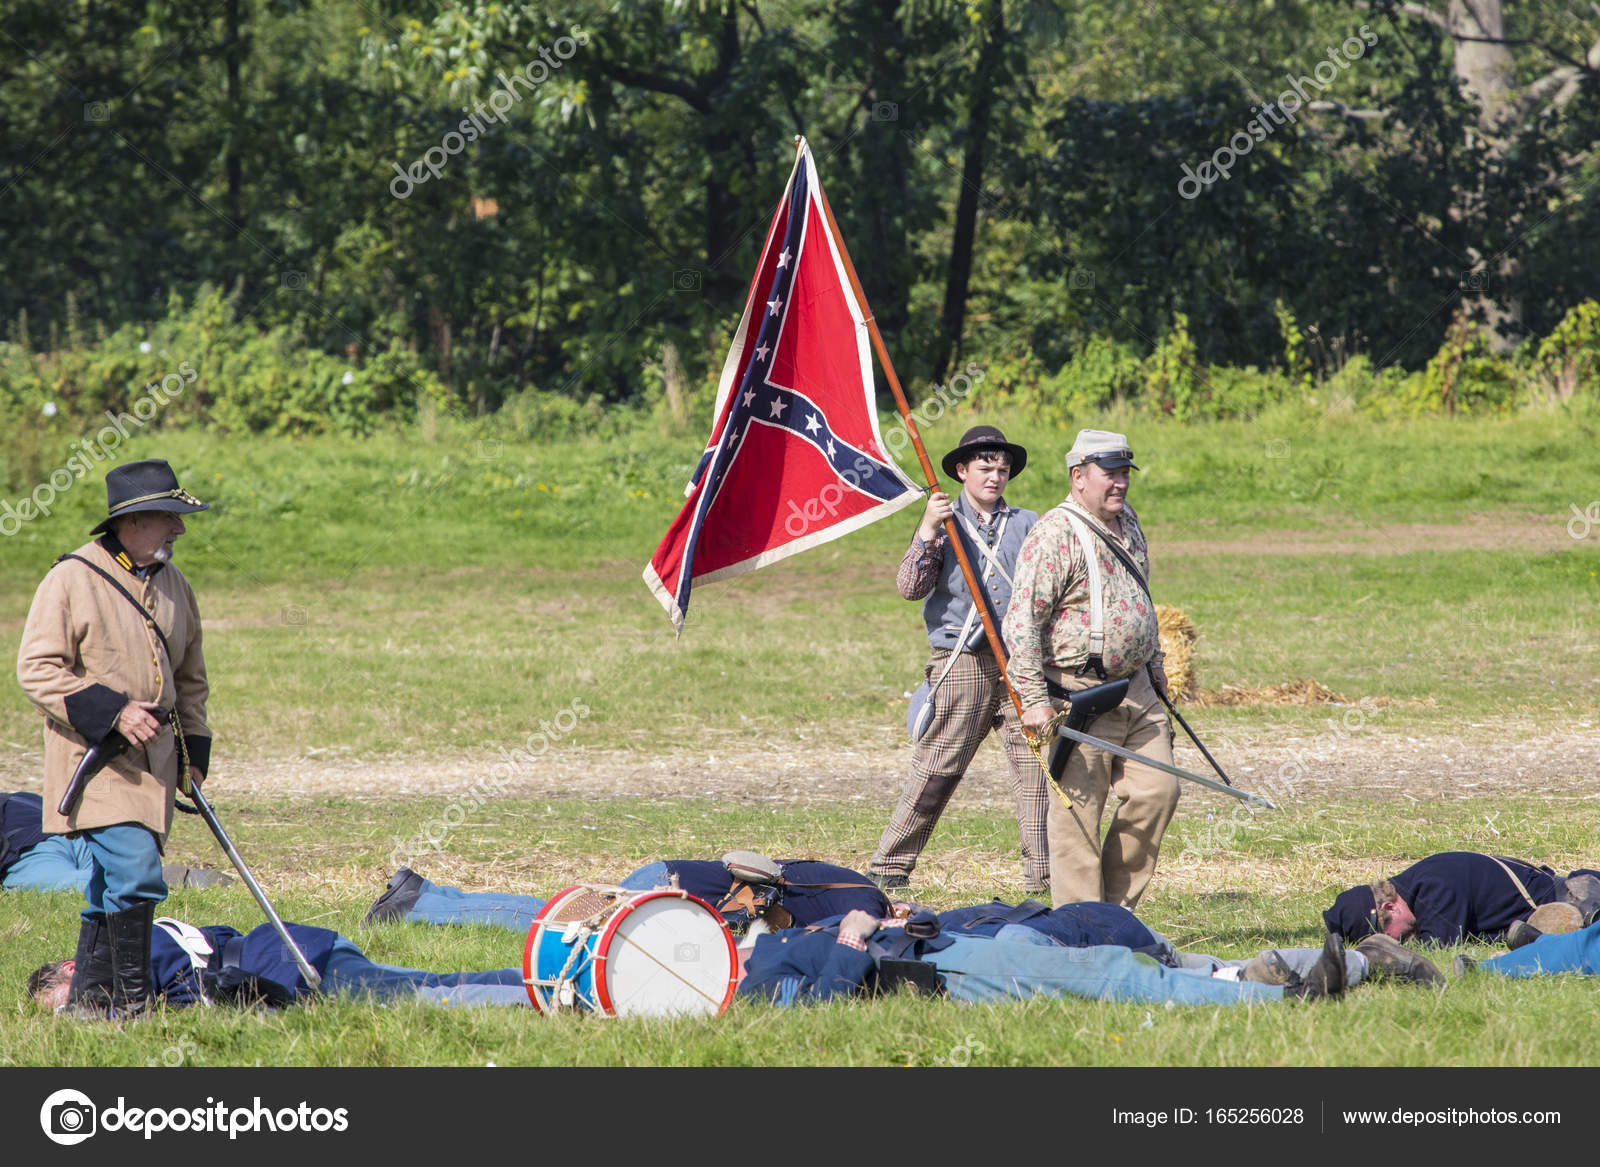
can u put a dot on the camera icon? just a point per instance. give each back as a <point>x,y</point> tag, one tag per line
<point>1474,281</point>
<point>69,1121</point>
<point>1278,448</point>
<point>686,279</point>
<point>685,953</point>
<point>72,1118</point>
<point>1081,279</point>
<point>885,111</point>
<point>291,280</point>
<point>487,449</point>
<point>96,111</point>
<point>292,616</point>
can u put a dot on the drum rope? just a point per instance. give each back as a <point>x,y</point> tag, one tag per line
<point>688,984</point>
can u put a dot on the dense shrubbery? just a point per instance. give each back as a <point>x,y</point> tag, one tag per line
<point>1464,377</point>
<point>201,365</point>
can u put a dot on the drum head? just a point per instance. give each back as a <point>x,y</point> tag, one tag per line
<point>666,954</point>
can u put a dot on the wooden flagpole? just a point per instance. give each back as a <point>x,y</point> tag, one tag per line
<point>980,598</point>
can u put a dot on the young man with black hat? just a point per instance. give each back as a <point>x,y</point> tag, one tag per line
<point>112,647</point>
<point>965,694</point>
<point>1080,617</point>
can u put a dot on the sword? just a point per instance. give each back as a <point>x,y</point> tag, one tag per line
<point>204,807</point>
<point>1243,796</point>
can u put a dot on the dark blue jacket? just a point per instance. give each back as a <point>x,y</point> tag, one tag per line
<point>263,956</point>
<point>1084,925</point>
<point>801,965</point>
<point>20,818</point>
<point>1455,895</point>
<point>709,879</point>
<point>798,965</point>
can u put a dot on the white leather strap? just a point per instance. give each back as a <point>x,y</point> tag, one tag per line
<point>187,937</point>
<point>1091,560</point>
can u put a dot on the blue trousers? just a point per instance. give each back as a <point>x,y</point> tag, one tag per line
<point>351,974</point>
<point>55,863</point>
<point>1022,962</point>
<point>126,868</point>
<point>450,905</point>
<point>1574,952</point>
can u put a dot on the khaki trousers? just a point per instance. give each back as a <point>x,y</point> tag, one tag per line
<point>1082,867</point>
<point>967,707</point>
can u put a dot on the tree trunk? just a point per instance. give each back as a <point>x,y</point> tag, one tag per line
<point>1485,73</point>
<point>981,107</point>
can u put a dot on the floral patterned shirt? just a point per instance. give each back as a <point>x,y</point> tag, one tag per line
<point>1047,624</point>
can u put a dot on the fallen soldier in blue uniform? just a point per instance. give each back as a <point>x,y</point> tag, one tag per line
<point>190,965</point>
<point>1457,896</point>
<point>741,887</point>
<point>1095,950</point>
<point>31,860</point>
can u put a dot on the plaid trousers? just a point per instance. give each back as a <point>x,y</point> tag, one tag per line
<point>969,703</point>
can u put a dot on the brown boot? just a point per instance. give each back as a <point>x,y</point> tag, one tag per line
<point>1388,957</point>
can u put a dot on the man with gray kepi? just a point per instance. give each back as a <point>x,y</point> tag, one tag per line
<point>1080,616</point>
<point>965,693</point>
<point>111,656</point>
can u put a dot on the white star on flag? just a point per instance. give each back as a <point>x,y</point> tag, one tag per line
<point>783,260</point>
<point>831,450</point>
<point>813,425</point>
<point>749,396</point>
<point>773,305</point>
<point>761,353</point>
<point>778,406</point>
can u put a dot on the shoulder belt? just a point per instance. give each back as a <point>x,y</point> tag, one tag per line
<point>127,595</point>
<point>1512,875</point>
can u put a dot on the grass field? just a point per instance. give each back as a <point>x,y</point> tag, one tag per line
<point>401,607</point>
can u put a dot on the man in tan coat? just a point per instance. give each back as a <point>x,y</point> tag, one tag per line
<point>111,643</point>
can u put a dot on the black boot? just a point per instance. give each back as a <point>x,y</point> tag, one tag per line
<point>130,959</point>
<point>90,994</point>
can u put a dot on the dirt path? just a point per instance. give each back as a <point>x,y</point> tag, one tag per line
<point>1532,532</point>
<point>1365,762</point>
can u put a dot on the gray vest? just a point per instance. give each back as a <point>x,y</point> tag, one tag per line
<point>946,608</point>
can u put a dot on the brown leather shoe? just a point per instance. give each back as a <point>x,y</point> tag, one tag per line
<point>1388,957</point>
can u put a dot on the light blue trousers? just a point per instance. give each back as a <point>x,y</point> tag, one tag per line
<point>1574,952</point>
<point>351,974</point>
<point>55,863</point>
<point>1022,962</point>
<point>126,868</point>
<point>450,905</point>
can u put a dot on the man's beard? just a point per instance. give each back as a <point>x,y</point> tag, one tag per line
<point>162,554</point>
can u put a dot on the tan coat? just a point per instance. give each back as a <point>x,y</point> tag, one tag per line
<point>81,632</point>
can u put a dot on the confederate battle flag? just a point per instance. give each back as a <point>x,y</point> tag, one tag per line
<point>795,457</point>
